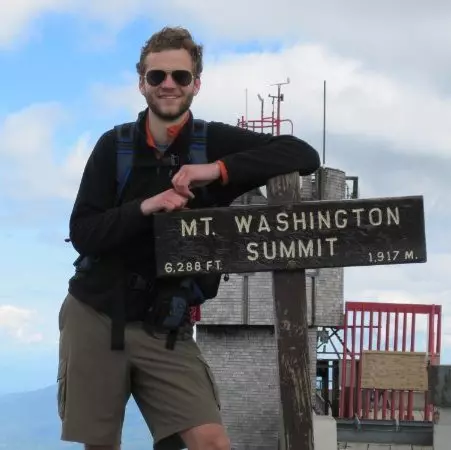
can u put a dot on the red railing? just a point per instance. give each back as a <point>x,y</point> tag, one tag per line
<point>264,124</point>
<point>385,327</point>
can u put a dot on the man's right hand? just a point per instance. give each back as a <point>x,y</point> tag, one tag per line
<point>167,201</point>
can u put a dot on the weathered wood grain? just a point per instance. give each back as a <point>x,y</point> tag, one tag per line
<point>291,331</point>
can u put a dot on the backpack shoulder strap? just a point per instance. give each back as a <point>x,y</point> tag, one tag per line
<point>198,147</point>
<point>124,155</point>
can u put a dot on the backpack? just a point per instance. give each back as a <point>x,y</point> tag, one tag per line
<point>201,287</point>
<point>204,286</point>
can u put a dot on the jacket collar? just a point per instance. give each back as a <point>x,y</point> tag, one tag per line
<point>180,143</point>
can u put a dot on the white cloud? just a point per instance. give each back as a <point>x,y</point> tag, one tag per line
<point>115,13</point>
<point>16,17</point>
<point>254,18</point>
<point>406,284</point>
<point>424,278</point>
<point>360,102</point>
<point>17,323</point>
<point>123,96</point>
<point>408,38</point>
<point>29,159</point>
<point>72,168</point>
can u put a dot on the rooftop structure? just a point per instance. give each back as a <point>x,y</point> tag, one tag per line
<point>356,349</point>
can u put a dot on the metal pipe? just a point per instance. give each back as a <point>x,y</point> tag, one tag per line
<point>439,329</point>
<point>324,123</point>
<point>344,363</point>
<point>353,374</point>
<point>370,347</point>
<point>378,347</point>
<point>395,348</point>
<point>431,354</point>
<point>313,300</point>
<point>359,382</point>
<point>404,342</point>
<point>412,349</point>
<point>387,348</point>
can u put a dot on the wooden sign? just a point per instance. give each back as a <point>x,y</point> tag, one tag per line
<point>399,371</point>
<point>303,235</point>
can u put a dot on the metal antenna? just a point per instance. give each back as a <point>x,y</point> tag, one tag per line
<point>324,124</point>
<point>262,101</point>
<point>280,99</point>
<point>246,104</point>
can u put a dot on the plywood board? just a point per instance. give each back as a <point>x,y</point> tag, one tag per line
<point>394,370</point>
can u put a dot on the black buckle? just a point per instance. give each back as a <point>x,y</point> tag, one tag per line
<point>175,160</point>
<point>139,283</point>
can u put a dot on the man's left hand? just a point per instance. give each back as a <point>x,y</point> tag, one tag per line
<point>194,175</point>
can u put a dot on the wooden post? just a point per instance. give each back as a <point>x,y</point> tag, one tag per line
<point>291,330</point>
<point>286,237</point>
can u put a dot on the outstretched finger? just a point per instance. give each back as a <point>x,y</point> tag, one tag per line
<point>182,188</point>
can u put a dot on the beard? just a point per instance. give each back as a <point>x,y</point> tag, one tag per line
<point>170,116</point>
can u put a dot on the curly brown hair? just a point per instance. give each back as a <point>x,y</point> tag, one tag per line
<point>172,38</point>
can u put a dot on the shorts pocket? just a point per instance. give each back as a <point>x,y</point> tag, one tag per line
<point>62,388</point>
<point>211,379</point>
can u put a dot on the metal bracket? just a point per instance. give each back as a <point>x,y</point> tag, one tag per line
<point>385,431</point>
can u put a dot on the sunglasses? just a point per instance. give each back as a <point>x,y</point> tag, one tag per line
<point>156,76</point>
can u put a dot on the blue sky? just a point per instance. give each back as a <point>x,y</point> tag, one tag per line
<point>68,74</point>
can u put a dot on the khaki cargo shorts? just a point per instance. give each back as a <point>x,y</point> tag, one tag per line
<point>174,389</point>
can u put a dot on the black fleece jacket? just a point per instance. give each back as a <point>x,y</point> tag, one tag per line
<point>100,229</point>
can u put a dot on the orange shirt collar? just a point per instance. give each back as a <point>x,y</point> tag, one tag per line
<point>172,130</point>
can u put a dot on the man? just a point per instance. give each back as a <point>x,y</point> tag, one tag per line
<point>173,387</point>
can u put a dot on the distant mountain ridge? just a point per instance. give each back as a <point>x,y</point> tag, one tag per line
<point>29,421</point>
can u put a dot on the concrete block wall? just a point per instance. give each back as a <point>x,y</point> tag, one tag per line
<point>244,363</point>
<point>330,302</point>
<point>231,307</point>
